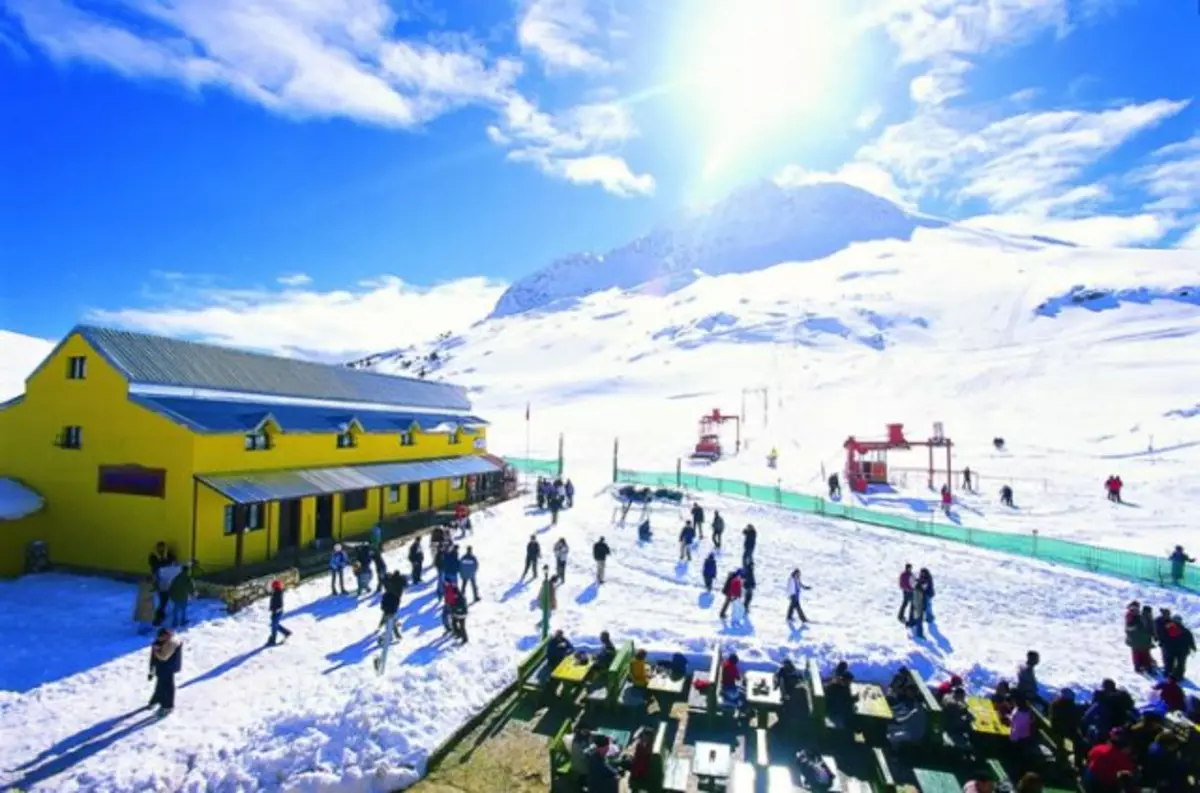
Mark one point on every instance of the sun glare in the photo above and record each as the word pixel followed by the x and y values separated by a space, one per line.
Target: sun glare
pixel 754 68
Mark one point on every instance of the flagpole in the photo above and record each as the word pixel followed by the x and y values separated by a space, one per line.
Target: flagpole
pixel 527 441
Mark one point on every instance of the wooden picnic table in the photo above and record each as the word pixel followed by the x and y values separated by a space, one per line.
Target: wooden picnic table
pixel 712 761
pixel 743 779
pixel 872 702
pixel 570 670
pixel 762 701
pixel 987 720
pixel 663 682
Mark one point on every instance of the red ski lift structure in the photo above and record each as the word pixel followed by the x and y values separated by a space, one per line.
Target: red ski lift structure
pixel 708 447
pixel 866 461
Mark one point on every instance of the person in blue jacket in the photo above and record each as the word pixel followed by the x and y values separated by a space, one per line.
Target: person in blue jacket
pixel 1179 561
pixel 710 570
pixel 570 488
pixel 337 569
pixel 468 566
pixel 686 538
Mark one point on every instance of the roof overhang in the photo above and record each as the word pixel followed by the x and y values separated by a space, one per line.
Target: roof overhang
pixel 17 500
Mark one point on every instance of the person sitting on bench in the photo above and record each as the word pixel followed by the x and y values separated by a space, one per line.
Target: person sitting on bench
pixel 558 650
pixel 607 653
pixel 957 717
pixel 788 681
pixel 578 743
pixel 732 689
pixel 839 700
pixel 909 724
pixel 639 670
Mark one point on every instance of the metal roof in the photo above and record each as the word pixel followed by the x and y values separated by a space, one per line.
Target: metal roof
pixel 214 415
pixel 260 486
pixel 158 360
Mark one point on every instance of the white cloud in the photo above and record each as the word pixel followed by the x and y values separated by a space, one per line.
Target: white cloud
pixel 868 116
pixel 562 34
pixel 944 81
pixel 335 325
pixel 334 58
pixel 1191 240
pixel 611 173
pixel 1024 96
pixel 1103 231
pixel 294 280
pixel 1173 176
pixel 859 174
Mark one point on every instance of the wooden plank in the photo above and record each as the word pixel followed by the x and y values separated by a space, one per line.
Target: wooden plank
pixel 677 775
pixel 762 756
pixel 816 693
pixel 883 768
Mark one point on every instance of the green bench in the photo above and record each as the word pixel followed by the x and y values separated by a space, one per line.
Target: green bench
pixel 669 772
pixel 1062 747
pixel 999 775
pixel 614 678
pixel 533 672
pixel 936 781
pixel 930 703
pixel 560 758
pixel 816 695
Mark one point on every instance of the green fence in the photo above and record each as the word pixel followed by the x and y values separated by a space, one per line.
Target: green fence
pixel 529 465
pixel 1125 564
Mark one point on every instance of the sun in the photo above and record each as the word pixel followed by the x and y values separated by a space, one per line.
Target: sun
pixel 752 69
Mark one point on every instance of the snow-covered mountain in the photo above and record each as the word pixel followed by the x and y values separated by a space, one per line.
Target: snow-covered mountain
pixel 753 228
pixel 19 355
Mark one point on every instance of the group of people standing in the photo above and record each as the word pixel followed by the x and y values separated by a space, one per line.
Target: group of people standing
pixel 555 495
pixel 168 585
pixel 916 599
pixel 1145 631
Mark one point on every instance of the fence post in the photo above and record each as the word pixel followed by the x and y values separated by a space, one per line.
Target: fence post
pixel 1035 536
pixel 747 484
pixel 616 448
pixel 560 454
pixel 678 472
pixel 778 495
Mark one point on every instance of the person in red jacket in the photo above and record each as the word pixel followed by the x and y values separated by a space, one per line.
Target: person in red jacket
pixel 450 596
pixel 1105 762
pixel 640 764
pixel 731 682
pixel 1172 695
pixel 906 593
pixel 732 591
pixel 947 686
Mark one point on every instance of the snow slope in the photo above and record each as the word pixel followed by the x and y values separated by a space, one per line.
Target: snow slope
pixel 19 355
pixel 312 715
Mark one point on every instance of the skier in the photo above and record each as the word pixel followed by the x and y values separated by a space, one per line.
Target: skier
pixel 561 550
pixel 686 538
pixel 600 552
pixel 389 604
pixel 749 584
pixel 732 591
pixel 698 519
pixel 1179 561
pixel 718 528
pixel 795 586
pixel 1006 496
pixel 533 552
pixel 468 566
pixel 967 484
pixel 906 592
pixel 710 570
pixel 166 660
pixel 749 542
pixel 276 609
pixel 570 490
pixel 835 487
pixel 337 570
pixel 925 580
pixel 416 557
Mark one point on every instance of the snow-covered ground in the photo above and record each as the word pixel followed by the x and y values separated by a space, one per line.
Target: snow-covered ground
pixel 312 715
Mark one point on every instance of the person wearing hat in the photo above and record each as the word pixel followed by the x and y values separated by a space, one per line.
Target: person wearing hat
pixel 166 659
pixel 276 609
pixel 337 569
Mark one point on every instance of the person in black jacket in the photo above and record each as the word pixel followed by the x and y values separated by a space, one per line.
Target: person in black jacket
pixel 698 519
pixel 533 554
pixel 718 528
pixel 749 543
pixel 600 552
pixel 389 604
pixel 166 659
pixel 557 650
pixel 416 557
pixel 749 584
pixel 381 570
pixel 710 568
pixel 276 609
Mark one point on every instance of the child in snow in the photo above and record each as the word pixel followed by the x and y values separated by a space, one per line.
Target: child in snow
pixel 166 660
pixel 362 576
pixel 337 570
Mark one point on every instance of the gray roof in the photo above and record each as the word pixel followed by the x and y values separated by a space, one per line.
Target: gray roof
pixel 158 360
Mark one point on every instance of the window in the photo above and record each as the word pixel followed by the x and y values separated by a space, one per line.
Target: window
pixel 393 494
pixel 132 480
pixel 406 439
pixel 244 517
pixel 354 500
pixel 455 438
pixel 257 441
pixel 345 440
pixel 77 367
pixel 456 483
pixel 71 438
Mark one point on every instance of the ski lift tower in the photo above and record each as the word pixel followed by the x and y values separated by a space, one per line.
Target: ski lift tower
pixel 866 461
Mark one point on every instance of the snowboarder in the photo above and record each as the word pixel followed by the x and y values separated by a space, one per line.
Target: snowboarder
pixel 1179 562
pixel 561 550
pixel 925 581
pixel 732 591
pixel 967 484
pixel 686 538
pixel 468 566
pixel 570 490
pixel 533 552
pixel 182 587
pixel 710 570
pixel 600 552
pixel 416 558
pixel 749 584
pixel 276 609
pixel 166 660
pixel 337 570
pixel 906 592
pixel 718 528
pixel 749 542
pixel 698 519
pixel 795 586
pixel 835 487
pixel 1006 496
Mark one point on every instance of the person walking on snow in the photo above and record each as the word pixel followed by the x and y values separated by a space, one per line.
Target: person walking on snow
pixel 182 588
pixel 570 490
pixel 337 570
pixel 710 569
pixel 794 587
pixel 686 538
pixel 560 559
pixel 835 487
pixel 556 502
pixel 698 519
pixel 416 558
pixel 276 609
pixel 1006 495
pixel 533 553
pixel 452 598
pixel 718 528
pixel 946 499
pixel 1139 640
pixel 925 582
pixel 906 593
pixel 389 604
pixel 600 552
pixel 1113 485
pixel 749 542
pixel 916 616
pixel 749 584
pixel 166 660
pixel 967 484
pixel 732 591
pixel 1179 562
pixel 380 565
pixel 468 566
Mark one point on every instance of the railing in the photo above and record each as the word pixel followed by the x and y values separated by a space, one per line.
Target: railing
pixel 1109 561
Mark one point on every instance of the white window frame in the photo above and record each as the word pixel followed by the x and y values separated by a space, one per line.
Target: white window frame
pixel 77 367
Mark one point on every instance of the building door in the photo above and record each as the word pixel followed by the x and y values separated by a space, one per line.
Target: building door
pixel 324 517
pixel 414 497
pixel 289 524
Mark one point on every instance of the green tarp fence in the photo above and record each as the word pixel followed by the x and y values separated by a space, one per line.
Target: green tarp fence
pixel 529 465
pixel 1109 561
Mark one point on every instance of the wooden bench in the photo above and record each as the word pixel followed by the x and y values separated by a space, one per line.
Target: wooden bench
pixel 669 772
pixel 930 703
pixel 816 695
pixel 533 671
pixel 887 782
pixel 1062 746
pixel 560 758
pixel 614 678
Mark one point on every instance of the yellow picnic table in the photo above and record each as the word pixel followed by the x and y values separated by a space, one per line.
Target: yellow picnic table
pixel 871 701
pixel 987 720
pixel 571 670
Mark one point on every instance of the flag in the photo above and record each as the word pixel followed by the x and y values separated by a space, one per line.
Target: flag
pixel 527 411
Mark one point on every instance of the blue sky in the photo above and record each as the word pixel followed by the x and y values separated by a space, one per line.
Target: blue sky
pixel 340 175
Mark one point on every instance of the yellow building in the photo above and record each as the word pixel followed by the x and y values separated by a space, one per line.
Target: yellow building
pixel 123 439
